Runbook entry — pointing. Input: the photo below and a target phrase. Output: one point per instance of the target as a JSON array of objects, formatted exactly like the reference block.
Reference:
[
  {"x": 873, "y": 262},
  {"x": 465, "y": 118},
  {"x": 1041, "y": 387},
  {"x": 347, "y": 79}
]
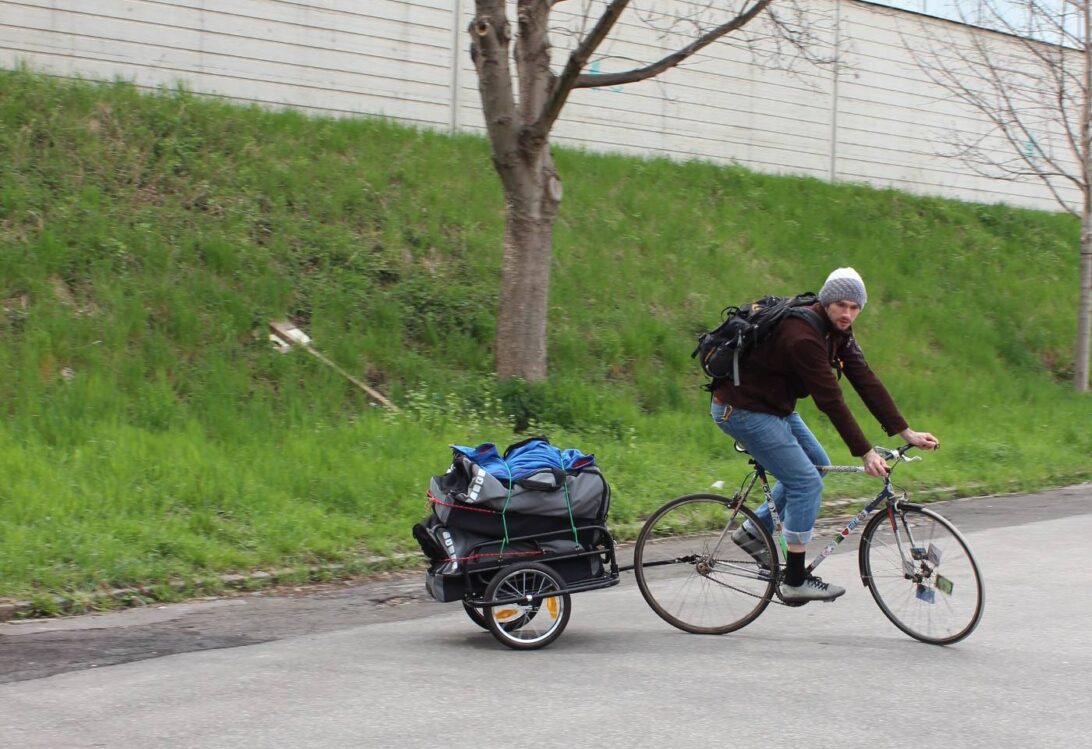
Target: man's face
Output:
[{"x": 842, "y": 313}]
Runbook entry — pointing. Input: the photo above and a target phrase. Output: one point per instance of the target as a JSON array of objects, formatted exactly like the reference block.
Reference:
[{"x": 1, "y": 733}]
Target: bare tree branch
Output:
[
  {"x": 1030, "y": 83},
  {"x": 1016, "y": 131},
  {"x": 490, "y": 36},
  {"x": 981, "y": 78},
  {"x": 670, "y": 61},
  {"x": 533, "y": 58},
  {"x": 577, "y": 60}
]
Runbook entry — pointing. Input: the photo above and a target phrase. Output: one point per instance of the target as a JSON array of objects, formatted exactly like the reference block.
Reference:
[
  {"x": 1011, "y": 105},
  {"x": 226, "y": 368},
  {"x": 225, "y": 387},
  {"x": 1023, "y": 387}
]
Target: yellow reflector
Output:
[
  {"x": 504, "y": 615},
  {"x": 552, "y": 606}
]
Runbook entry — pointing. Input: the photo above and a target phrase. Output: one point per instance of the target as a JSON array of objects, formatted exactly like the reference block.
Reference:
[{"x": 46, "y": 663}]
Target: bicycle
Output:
[{"x": 918, "y": 567}]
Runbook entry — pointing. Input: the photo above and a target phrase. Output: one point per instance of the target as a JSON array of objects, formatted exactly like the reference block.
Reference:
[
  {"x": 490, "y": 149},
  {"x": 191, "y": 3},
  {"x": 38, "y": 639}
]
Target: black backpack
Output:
[{"x": 745, "y": 327}]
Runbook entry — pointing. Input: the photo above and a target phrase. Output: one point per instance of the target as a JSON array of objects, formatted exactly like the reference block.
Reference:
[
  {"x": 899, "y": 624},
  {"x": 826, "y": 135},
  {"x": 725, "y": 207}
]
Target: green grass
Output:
[{"x": 152, "y": 436}]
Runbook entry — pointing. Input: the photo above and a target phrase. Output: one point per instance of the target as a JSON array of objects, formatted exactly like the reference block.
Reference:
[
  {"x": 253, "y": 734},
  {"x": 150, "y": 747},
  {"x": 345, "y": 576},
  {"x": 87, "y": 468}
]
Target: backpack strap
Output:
[
  {"x": 822, "y": 324},
  {"x": 735, "y": 361}
]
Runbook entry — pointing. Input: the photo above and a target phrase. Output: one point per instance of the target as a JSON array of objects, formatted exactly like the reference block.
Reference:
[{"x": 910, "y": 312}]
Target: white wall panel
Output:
[
  {"x": 879, "y": 121},
  {"x": 382, "y": 57},
  {"x": 895, "y": 125}
]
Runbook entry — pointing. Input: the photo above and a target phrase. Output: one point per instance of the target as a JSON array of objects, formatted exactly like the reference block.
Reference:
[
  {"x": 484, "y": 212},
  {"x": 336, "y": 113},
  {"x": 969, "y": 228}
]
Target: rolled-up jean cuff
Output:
[{"x": 796, "y": 538}]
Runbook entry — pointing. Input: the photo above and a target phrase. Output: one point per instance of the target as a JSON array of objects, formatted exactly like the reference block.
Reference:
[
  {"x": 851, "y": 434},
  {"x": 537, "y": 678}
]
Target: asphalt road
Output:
[{"x": 378, "y": 665}]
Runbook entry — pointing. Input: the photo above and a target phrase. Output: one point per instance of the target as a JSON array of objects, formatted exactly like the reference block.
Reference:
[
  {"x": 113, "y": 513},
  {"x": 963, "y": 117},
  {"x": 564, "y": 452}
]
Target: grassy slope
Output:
[{"x": 151, "y": 433}]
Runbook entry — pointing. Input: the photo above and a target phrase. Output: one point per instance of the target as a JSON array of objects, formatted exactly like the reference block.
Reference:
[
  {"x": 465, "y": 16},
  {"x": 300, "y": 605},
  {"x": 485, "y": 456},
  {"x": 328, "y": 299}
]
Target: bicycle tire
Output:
[
  {"x": 723, "y": 588},
  {"x": 535, "y": 622},
  {"x": 936, "y": 595}
]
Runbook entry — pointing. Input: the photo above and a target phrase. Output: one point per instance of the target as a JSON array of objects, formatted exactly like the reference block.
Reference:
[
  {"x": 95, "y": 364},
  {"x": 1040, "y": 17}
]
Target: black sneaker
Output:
[
  {"x": 813, "y": 589},
  {"x": 753, "y": 546}
]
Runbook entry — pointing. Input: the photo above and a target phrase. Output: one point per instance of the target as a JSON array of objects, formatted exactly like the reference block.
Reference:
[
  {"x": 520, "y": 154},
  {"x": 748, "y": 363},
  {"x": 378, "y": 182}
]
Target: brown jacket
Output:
[{"x": 796, "y": 363}]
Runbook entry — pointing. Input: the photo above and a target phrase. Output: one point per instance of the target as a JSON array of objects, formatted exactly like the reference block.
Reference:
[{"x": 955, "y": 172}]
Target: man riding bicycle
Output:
[{"x": 799, "y": 360}]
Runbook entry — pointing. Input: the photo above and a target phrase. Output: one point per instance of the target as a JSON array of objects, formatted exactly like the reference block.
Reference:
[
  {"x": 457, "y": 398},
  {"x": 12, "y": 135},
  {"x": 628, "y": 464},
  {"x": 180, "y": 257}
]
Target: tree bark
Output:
[
  {"x": 520, "y": 348},
  {"x": 1084, "y": 305},
  {"x": 1084, "y": 301}
]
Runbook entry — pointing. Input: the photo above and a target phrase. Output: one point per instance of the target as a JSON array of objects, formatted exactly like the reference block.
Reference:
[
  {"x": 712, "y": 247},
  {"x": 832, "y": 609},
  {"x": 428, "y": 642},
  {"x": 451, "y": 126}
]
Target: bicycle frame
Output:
[{"x": 885, "y": 495}]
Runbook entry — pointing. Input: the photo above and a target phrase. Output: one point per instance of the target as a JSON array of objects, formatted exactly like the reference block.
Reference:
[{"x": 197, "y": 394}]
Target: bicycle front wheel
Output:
[
  {"x": 922, "y": 574},
  {"x": 691, "y": 572}
]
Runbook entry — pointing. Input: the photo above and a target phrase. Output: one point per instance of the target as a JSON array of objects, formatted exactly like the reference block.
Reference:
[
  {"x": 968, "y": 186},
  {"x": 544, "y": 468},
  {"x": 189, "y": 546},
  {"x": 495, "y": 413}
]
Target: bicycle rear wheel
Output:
[
  {"x": 922, "y": 574},
  {"x": 691, "y": 572}
]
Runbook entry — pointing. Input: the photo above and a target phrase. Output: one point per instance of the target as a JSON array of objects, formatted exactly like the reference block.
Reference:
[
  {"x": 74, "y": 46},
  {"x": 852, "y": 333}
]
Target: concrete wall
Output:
[{"x": 875, "y": 118}]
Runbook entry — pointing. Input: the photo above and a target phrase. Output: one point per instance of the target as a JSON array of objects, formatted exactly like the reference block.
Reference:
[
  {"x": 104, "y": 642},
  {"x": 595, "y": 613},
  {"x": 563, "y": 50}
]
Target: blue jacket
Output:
[{"x": 525, "y": 458}]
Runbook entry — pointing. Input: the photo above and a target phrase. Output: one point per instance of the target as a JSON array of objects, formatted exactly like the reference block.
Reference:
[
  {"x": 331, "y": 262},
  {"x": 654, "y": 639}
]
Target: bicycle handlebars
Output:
[{"x": 898, "y": 454}]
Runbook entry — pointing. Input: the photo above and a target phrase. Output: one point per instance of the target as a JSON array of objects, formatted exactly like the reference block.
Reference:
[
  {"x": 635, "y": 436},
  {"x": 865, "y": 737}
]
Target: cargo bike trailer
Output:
[{"x": 523, "y": 596}]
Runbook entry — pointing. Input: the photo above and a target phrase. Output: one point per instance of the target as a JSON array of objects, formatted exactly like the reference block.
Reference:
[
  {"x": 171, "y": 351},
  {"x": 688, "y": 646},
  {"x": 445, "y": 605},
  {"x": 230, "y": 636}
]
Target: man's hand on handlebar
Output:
[
  {"x": 874, "y": 465},
  {"x": 875, "y": 460},
  {"x": 922, "y": 440}
]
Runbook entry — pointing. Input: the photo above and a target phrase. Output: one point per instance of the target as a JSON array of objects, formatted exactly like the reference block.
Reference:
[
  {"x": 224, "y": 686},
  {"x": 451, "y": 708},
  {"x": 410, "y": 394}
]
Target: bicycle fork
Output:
[{"x": 919, "y": 563}]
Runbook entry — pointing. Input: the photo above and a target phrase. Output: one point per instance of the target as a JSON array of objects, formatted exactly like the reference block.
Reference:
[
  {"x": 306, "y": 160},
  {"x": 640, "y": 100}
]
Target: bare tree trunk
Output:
[
  {"x": 532, "y": 190},
  {"x": 1084, "y": 301},
  {"x": 532, "y": 194},
  {"x": 530, "y": 211},
  {"x": 1084, "y": 304},
  {"x": 521, "y": 321}
]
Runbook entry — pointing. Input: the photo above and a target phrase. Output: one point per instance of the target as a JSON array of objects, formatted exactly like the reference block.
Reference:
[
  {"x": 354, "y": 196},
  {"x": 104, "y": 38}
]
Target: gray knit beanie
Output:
[{"x": 843, "y": 284}]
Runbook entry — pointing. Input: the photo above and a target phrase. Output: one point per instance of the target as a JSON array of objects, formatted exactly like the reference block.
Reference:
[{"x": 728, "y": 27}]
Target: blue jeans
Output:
[{"x": 786, "y": 448}]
